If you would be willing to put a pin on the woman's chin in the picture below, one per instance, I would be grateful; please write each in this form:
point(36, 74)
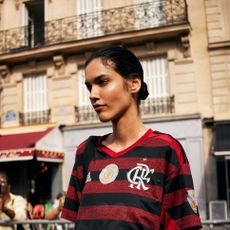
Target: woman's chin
point(104, 118)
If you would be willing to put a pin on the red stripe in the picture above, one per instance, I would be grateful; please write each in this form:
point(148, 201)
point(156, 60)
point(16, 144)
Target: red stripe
point(176, 198)
point(175, 145)
point(154, 191)
point(120, 213)
point(81, 148)
point(69, 215)
point(117, 154)
point(189, 221)
point(78, 173)
point(183, 170)
point(72, 193)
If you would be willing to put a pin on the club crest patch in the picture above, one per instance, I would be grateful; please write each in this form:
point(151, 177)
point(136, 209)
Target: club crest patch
point(139, 176)
point(192, 200)
point(108, 174)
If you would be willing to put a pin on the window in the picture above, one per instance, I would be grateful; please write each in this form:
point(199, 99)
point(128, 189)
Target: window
point(89, 18)
point(84, 110)
point(34, 21)
point(156, 78)
point(83, 93)
point(35, 99)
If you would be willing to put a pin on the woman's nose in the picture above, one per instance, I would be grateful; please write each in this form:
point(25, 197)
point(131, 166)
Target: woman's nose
point(94, 93)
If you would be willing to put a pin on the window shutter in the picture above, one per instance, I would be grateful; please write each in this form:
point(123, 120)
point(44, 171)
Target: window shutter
point(35, 93)
point(156, 76)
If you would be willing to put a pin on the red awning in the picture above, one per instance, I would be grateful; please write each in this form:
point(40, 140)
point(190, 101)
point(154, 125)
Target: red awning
point(45, 145)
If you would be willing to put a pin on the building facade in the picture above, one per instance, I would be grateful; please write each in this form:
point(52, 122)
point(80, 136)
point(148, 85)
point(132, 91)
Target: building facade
point(184, 47)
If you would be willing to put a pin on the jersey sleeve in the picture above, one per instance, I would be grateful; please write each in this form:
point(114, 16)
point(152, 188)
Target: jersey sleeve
point(75, 187)
point(179, 208)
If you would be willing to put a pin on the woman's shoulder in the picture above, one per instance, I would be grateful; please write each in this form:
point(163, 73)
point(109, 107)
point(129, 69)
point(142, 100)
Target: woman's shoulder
point(157, 138)
point(91, 140)
point(174, 144)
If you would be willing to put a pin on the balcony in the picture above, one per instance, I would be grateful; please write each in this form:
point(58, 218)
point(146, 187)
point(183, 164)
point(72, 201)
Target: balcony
point(33, 118)
point(85, 114)
point(148, 108)
point(157, 106)
point(135, 18)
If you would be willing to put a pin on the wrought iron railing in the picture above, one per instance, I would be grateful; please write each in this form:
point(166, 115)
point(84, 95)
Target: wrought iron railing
point(66, 225)
point(38, 224)
point(154, 106)
point(216, 224)
point(85, 114)
point(156, 13)
point(37, 117)
point(148, 108)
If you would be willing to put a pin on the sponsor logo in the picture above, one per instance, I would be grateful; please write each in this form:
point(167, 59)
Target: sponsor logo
point(88, 178)
point(108, 174)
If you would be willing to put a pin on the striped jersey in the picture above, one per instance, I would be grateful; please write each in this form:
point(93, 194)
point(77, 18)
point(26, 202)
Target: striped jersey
point(147, 186)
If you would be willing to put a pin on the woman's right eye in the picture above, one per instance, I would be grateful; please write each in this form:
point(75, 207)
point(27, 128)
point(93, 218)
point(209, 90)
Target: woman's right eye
point(89, 87)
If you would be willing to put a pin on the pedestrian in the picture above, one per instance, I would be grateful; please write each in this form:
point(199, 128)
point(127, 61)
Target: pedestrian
point(55, 211)
point(133, 178)
point(12, 207)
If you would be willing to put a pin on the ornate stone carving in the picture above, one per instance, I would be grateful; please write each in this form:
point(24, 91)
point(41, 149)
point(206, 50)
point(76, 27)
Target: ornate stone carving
point(118, 20)
point(185, 42)
point(17, 4)
point(174, 10)
point(4, 74)
point(59, 64)
point(150, 46)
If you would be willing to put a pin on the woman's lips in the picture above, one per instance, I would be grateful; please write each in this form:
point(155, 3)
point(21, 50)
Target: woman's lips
point(98, 108)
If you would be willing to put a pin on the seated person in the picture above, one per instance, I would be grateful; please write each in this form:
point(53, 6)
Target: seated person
point(12, 207)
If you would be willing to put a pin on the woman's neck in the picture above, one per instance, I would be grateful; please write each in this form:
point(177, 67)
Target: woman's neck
point(126, 131)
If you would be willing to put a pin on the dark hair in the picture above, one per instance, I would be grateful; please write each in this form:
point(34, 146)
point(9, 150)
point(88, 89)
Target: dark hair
point(4, 174)
point(125, 63)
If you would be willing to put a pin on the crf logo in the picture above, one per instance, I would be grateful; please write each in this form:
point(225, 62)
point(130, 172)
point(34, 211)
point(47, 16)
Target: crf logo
point(139, 175)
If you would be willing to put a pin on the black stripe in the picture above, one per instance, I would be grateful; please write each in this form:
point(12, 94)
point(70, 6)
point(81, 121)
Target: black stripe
point(78, 185)
point(108, 225)
point(179, 182)
point(129, 200)
point(161, 152)
point(155, 178)
point(181, 211)
point(71, 204)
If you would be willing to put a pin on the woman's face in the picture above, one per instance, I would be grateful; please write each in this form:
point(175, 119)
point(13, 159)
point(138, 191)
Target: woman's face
point(109, 91)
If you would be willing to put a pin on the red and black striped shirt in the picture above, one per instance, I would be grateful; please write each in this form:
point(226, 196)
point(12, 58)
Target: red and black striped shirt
point(146, 186)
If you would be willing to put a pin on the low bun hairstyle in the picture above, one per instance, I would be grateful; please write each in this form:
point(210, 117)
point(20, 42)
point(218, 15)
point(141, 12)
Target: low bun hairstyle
point(143, 92)
point(125, 63)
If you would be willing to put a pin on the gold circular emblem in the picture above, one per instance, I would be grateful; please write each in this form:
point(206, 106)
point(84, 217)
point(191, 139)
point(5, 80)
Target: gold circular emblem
point(108, 174)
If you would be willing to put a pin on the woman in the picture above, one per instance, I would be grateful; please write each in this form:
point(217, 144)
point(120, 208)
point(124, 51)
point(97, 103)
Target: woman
point(134, 177)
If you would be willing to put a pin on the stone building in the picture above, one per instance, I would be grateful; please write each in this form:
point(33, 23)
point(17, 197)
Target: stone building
point(184, 47)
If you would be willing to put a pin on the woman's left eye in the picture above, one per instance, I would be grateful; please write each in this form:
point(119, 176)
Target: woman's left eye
point(103, 82)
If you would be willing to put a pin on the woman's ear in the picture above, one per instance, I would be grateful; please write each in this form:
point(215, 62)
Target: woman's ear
point(134, 84)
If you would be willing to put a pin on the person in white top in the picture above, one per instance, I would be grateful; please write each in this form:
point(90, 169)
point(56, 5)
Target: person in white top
point(12, 207)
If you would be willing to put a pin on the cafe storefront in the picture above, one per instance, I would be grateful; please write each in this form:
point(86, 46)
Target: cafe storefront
point(33, 159)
